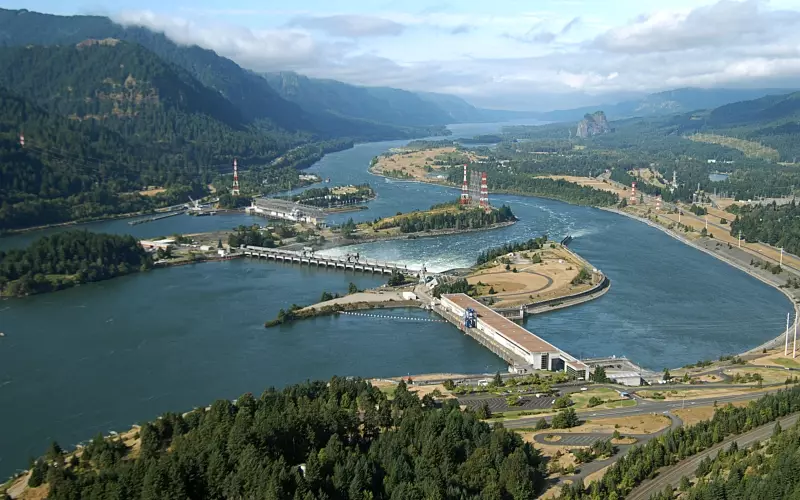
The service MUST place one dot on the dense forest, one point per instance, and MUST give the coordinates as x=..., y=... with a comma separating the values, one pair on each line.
x=448, y=216
x=642, y=461
x=69, y=258
x=777, y=225
x=765, y=471
x=340, y=439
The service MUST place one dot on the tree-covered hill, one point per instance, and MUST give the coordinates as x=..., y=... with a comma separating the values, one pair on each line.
x=65, y=259
x=249, y=92
x=398, y=107
x=338, y=440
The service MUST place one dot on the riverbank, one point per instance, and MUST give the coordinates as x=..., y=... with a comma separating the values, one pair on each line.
x=770, y=280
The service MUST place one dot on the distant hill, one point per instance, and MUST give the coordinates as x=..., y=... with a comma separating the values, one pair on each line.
x=252, y=95
x=663, y=103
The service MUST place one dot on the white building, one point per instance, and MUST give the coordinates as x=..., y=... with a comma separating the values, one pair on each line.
x=536, y=352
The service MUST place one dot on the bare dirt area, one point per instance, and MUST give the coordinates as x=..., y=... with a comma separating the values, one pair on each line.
x=532, y=281
x=417, y=164
x=377, y=297
x=595, y=476
x=769, y=375
x=634, y=424
x=152, y=191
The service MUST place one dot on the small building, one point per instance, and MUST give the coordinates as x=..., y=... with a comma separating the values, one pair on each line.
x=630, y=379
x=156, y=244
x=286, y=210
x=409, y=296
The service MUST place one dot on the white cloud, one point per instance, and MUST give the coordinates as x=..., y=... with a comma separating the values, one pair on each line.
x=349, y=26
x=728, y=43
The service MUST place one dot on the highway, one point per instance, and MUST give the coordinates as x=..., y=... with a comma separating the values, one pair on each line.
x=672, y=475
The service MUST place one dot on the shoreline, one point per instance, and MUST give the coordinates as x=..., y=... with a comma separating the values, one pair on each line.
x=418, y=236
x=722, y=258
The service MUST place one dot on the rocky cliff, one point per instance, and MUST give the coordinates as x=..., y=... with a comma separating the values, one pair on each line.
x=593, y=124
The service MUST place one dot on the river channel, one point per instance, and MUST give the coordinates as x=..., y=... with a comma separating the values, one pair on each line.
x=103, y=356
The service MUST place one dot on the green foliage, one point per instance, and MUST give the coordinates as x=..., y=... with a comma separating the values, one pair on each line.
x=772, y=224
x=565, y=419
x=541, y=425
x=352, y=288
x=594, y=401
x=562, y=402
x=584, y=276
x=642, y=461
x=251, y=236
x=455, y=286
x=397, y=278
x=68, y=258
x=354, y=443
x=472, y=218
x=493, y=253
x=324, y=197
x=599, y=375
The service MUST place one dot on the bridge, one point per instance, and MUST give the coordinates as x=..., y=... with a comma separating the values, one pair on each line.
x=350, y=262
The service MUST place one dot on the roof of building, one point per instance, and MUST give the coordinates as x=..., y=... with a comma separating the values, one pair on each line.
x=288, y=206
x=503, y=325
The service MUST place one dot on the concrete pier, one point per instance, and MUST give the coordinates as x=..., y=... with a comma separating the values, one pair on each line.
x=311, y=259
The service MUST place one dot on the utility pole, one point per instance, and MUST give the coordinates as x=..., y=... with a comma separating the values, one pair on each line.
x=706, y=222
x=794, y=345
x=740, y=238
x=786, y=345
x=781, y=263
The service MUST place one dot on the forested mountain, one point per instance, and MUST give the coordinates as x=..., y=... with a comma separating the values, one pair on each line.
x=338, y=440
x=250, y=93
x=664, y=103
x=74, y=170
x=380, y=105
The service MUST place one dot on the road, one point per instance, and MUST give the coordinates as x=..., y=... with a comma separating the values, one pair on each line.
x=643, y=407
x=673, y=474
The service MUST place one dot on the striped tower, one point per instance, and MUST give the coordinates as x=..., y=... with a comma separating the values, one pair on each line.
x=21, y=140
x=484, y=200
x=235, y=190
x=633, y=193
x=658, y=203
x=465, y=189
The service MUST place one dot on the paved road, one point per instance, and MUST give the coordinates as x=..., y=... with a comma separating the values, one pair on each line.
x=673, y=474
x=644, y=407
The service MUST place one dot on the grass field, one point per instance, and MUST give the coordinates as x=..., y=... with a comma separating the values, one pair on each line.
x=771, y=376
x=788, y=363
x=749, y=148
x=610, y=397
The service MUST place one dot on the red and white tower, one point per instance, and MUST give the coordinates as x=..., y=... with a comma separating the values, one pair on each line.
x=633, y=193
x=235, y=190
x=465, y=189
x=658, y=203
x=484, y=200
x=22, y=140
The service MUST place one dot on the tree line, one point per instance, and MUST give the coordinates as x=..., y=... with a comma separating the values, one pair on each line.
x=521, y=246
x=458, y=218
x=338, y=439
x=776, y=225
x=764, y=470
x=642, y=461
x=69, y=258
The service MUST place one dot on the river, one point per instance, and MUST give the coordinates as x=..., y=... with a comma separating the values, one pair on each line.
x=102, y=356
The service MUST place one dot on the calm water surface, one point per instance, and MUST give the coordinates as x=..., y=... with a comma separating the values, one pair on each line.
x=102, y=356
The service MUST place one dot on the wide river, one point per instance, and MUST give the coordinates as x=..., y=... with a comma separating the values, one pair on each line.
x=103, y=356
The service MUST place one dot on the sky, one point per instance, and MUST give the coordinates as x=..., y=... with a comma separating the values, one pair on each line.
x=512, y=54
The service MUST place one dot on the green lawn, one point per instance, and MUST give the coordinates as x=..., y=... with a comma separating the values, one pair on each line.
x=788, y=363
